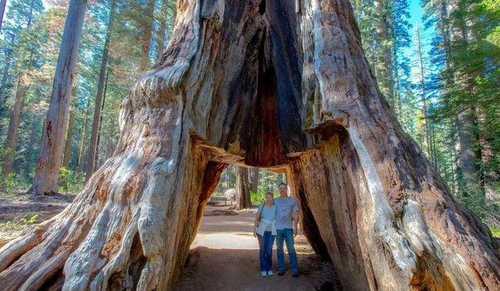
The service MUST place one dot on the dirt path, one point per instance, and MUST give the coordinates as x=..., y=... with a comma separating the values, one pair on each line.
x=224, y=256
x=19, y=211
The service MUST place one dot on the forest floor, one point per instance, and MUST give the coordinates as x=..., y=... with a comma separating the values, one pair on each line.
x=19, y=211
x=224, y=256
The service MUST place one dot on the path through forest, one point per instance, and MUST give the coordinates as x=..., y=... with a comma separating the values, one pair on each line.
x=224, y=256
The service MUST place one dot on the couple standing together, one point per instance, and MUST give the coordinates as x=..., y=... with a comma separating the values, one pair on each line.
x=277, y=218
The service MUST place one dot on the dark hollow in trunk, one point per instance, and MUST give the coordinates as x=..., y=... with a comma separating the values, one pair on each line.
x=268, y=84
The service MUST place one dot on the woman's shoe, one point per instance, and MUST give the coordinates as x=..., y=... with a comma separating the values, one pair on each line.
x=263, y=274
x=269, y=273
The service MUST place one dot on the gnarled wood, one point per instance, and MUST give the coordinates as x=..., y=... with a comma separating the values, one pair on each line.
x=269, y=84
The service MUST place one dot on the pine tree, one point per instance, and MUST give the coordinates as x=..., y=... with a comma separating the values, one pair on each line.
x=51, y=155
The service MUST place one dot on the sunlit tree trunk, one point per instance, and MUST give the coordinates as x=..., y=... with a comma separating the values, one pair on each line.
x=68, y=145
x=99, y=100
x=243, y=188
x=14, y=122
x=147, y=35
x=253, y=177
x=55, y=126
x=83, y=138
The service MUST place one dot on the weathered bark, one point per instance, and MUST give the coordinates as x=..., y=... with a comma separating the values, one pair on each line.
x=56, y=123
x=243, y=188
x=269, y=84
x=68, y=145
x=99, y=99
x=15, y=119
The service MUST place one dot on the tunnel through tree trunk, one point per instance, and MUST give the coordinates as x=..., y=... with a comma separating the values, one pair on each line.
x=236, y=76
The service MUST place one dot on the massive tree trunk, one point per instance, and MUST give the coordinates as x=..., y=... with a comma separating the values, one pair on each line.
x=56, y=123
x=269, y=84
x=243, y=188
x=15, y=119
x=99, y=99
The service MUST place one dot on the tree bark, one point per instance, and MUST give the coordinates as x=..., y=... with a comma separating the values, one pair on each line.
x=52, y=150
x=253, y=177
x=5, y=75
x=68, y=145
x=83, y=137
x=147, y=35
x=14, y=122
x=237, y=85
x=99, y=100
x=243, y=188
x=162, y=33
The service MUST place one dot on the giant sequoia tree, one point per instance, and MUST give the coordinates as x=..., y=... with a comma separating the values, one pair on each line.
x=271, y=84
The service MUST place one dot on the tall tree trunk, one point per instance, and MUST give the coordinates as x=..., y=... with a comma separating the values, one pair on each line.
x=233, y=80
x=3, y=4
x=163, y=27
x=468, y=162
x=31, y=147
x=99, y=100
x=100, y=121
x=425, y=108
x=384, y=40
x=52, y=150
x=147, y=35
x=15, y=119
x=243, y=188
x=68, y=145
x=469, y=154
x=253, y=177
x=83, y=137
x=5, y=75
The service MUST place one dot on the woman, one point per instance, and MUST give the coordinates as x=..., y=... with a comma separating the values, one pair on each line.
x=265, y=223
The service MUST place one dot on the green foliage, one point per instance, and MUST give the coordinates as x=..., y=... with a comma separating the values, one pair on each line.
x=258, y=197
x=495, y=232
x=71, y=181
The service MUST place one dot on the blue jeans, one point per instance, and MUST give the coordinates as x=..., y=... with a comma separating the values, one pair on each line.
x=287, y=236
x=266, y=251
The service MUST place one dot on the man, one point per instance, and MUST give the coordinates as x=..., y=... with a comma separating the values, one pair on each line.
x=287, y=219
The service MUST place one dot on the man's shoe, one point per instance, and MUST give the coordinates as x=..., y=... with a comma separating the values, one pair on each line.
x=281, y=273
x=263, y=274
x=295, y=275
x=269, y=273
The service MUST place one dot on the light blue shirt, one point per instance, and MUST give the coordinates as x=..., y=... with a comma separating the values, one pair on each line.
x=267, y=220
x=285, y=208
